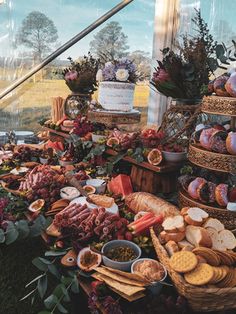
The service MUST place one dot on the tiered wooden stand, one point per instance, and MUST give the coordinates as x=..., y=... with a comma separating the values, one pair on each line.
x=112, y=119
x=153, y=179
x=222, y=163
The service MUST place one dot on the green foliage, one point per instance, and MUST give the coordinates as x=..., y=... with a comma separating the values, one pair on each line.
x=61, y=293
x=184, y=74
x=110, y=43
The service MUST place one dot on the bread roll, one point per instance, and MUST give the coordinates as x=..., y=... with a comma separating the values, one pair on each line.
x=142, y=201
x=171, y=247
x=195, y=216
x=214, y=223
x=198, y=236
x=172, y=236
x=184, y=243
x=174, y=224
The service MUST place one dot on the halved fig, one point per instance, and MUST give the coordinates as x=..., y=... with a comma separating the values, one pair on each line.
x=53, y=231
x=36, y=205
x=88, y=260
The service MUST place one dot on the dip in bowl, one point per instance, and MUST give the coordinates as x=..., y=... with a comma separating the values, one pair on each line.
x=120, y=254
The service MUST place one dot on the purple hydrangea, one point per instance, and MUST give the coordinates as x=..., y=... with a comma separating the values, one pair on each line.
x=109, y=72
x=110, y=69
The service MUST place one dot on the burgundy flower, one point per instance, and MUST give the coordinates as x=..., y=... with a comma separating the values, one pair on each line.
x=71, y=75
x=160, y=76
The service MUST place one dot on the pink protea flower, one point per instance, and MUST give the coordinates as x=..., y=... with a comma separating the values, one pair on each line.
x=160, y=76
x=71, y=76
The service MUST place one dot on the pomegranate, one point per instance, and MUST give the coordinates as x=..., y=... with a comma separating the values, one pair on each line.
x=230, y=85
x=219, y=85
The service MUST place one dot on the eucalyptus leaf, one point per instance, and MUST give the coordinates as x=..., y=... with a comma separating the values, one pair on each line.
x=61, y=308
x=23, y=228
x=45, y=261
x=58, y=292
x=11, y=233
x=2, y=236
x=51, y=301
x=219, y=50
x=66, y=280
x=53, y=270
x=55, y=253
x=39, y=264
x=42, y=286
x=75, y=285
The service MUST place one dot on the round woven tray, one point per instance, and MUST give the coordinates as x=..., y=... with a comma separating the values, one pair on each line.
x=210, y=160
x=228, y=218
x=113, y=118
x=219, y=105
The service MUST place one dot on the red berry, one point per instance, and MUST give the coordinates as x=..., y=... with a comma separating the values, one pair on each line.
x=128, y=236
x=232, y=195
x=120, y=237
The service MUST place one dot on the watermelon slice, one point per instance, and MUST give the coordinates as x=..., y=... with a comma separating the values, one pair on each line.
x=120, y=185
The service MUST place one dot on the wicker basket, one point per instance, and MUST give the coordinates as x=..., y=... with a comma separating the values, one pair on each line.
x=200, y=299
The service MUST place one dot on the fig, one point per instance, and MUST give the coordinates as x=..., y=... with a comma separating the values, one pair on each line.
x=230, y=85
x=36, y=205
x=219, y=85
x=88, y=260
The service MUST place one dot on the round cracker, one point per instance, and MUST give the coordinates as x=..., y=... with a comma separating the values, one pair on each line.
x=183, y=261
x=201, y=275
x=210, y=256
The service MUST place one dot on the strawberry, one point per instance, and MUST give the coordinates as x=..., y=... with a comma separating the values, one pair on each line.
x=232, y=195
x=99, y=287
x=120, y=237
x=128, y=236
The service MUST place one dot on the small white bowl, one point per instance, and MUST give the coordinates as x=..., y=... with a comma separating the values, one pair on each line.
x=231, y=206
x=43, y=160
x=100, y=185
x=66, y=163
x=69, y=193
x=174, y=157
x=96, y=137
x=155, y=286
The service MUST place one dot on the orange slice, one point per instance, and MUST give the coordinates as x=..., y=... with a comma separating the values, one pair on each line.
x=154, y=157
x=113, y=141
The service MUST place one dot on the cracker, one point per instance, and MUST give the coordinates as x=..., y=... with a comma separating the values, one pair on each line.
x=135, y=276
x=129, y=290
x=229, y=280
x=131, y=298
x=201, y=275
x=226, y=259
x=183, y=261
x=209, y=255
x=119, y=277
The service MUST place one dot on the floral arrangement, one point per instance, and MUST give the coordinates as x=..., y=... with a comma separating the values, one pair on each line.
x=80, y=77
x=185, y=74
x=121, y=70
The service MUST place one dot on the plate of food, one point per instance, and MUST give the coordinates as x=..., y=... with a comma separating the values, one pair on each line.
x=98, y=201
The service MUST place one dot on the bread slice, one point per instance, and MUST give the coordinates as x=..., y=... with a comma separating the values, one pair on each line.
x=195, y=216
x=171, y=247
x=185, y=244
x=198, y=236
x=174, y=224
x=216, y=243
x=184, y=211
x=214, y=223
x=172, y=236
x=227, y=238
